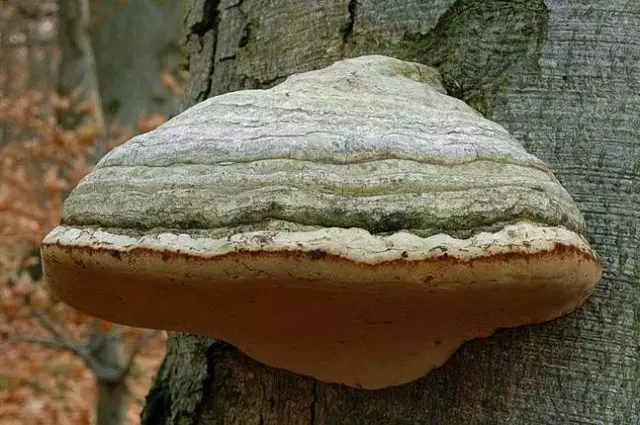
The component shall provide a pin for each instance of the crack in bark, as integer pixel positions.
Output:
(211, 7)
(209, 23)
(348, 29)
(264, 401)
(209, 19)
(246, 35)
(246, 28)
(213, 352)
(157, 406)
(314, 402)
(234, 5)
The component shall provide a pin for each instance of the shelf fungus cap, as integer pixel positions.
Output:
(353, 223)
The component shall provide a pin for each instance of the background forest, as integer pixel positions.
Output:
(77, 77)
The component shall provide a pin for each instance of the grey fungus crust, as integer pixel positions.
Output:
(363, 143)
(353, 224)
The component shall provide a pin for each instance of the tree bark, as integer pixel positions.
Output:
(564, 79)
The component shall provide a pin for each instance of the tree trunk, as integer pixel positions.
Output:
(113, 394)
(564, 79)
(77, 70)
(135, 42)
(113, 401)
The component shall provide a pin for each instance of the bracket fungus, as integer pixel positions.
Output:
(353, 223)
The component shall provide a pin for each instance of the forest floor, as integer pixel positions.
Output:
(43, 386)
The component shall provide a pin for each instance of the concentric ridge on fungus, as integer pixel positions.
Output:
(373, 149)
(353, 223)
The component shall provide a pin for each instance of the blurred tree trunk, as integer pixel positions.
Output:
(78, 82)
(28, 57)
(564, 78)
(77, 78)
(113, 394)
(137, 43)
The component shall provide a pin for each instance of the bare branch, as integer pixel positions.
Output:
(142, 342)
(45, 342)
(96, 336)
(62, 341)
(52, 327)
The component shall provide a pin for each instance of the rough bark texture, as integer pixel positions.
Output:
(563, 78)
